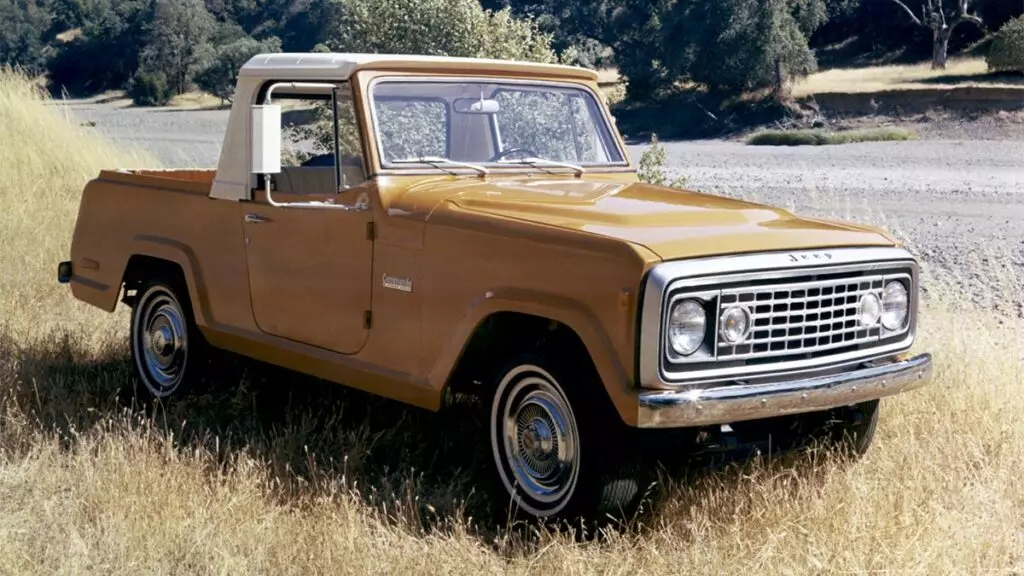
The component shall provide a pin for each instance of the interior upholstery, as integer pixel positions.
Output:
(315, 179)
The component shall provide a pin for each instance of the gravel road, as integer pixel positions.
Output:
(955, 198)
(958, 204)
(177, 138)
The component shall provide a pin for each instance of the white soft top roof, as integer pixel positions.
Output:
(327, 66)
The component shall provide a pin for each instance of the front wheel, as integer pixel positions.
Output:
(853, 428)
(553, 445)
(165, 342)
(850, 429)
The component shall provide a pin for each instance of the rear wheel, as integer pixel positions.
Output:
(553, 445)
(165, 343)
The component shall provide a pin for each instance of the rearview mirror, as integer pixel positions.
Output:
(266, 139)
(476, 106)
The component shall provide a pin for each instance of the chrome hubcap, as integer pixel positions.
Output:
(164, 344)
(536, 440)
(540, 439)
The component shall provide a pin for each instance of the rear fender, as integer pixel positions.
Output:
(160, 248)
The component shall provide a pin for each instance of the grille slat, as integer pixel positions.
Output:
(804, 317)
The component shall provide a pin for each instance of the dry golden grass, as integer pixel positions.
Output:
(195, 101)
(272, 473)
(909, 77)
(188, 101)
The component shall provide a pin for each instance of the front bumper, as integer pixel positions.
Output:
(739, 402)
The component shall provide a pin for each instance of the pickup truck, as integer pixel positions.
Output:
(418, 227)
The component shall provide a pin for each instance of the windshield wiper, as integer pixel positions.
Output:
(538, 162)
(436, 160)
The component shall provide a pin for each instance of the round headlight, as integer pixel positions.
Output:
(869, 311)
(686, 326)
(735, 324)
(895, 305)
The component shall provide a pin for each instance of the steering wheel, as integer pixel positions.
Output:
(526, 152)
(320, 160)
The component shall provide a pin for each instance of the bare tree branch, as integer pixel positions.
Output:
(972, 19)
(909, 11)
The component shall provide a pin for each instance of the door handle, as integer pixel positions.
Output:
(256, 219)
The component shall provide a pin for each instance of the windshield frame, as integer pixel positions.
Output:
(603, 115)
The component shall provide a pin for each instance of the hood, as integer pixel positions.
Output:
(671, 223)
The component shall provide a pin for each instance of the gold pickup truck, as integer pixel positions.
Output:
(413, 226)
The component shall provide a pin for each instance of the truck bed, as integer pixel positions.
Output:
(164, 214)
(191, 180)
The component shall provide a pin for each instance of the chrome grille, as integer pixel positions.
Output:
(800, 318)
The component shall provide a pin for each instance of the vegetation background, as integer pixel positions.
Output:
(157, 49)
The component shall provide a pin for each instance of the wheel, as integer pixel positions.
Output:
(853, 428)
(165, 343)
(553, 450)
(850, 429)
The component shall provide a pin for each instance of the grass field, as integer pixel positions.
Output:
(188, 101)
(270, 473)
(960, 72)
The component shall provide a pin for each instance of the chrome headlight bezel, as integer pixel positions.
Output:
(869, 310)
(692, 314)
(740, 314)
(900, 297)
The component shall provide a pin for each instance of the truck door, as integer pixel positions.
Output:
(310, 266)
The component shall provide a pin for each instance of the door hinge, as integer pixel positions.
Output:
(371, 231)
(367, 320)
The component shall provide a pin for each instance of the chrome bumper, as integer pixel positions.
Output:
(739, 402)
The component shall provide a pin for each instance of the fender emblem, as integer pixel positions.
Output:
(395, 283)
(810, 257)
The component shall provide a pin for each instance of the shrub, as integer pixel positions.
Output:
(652, 166)
(149, 88)
(1007, 51)
(823, 138)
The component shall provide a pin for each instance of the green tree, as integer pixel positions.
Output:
(300, 24)
(737, 45)
(22, 43)
(178, 41)
(437, 27)
(1007, 50)
(221, 75)
(104, 54)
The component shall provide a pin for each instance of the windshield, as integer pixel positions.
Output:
(491, 123)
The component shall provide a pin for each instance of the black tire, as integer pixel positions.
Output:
(852, 429)
(849, 429)
(167, 348)
(555, 441)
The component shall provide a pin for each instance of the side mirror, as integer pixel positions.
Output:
(266, 139)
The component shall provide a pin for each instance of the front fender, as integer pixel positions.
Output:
(614, 376)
